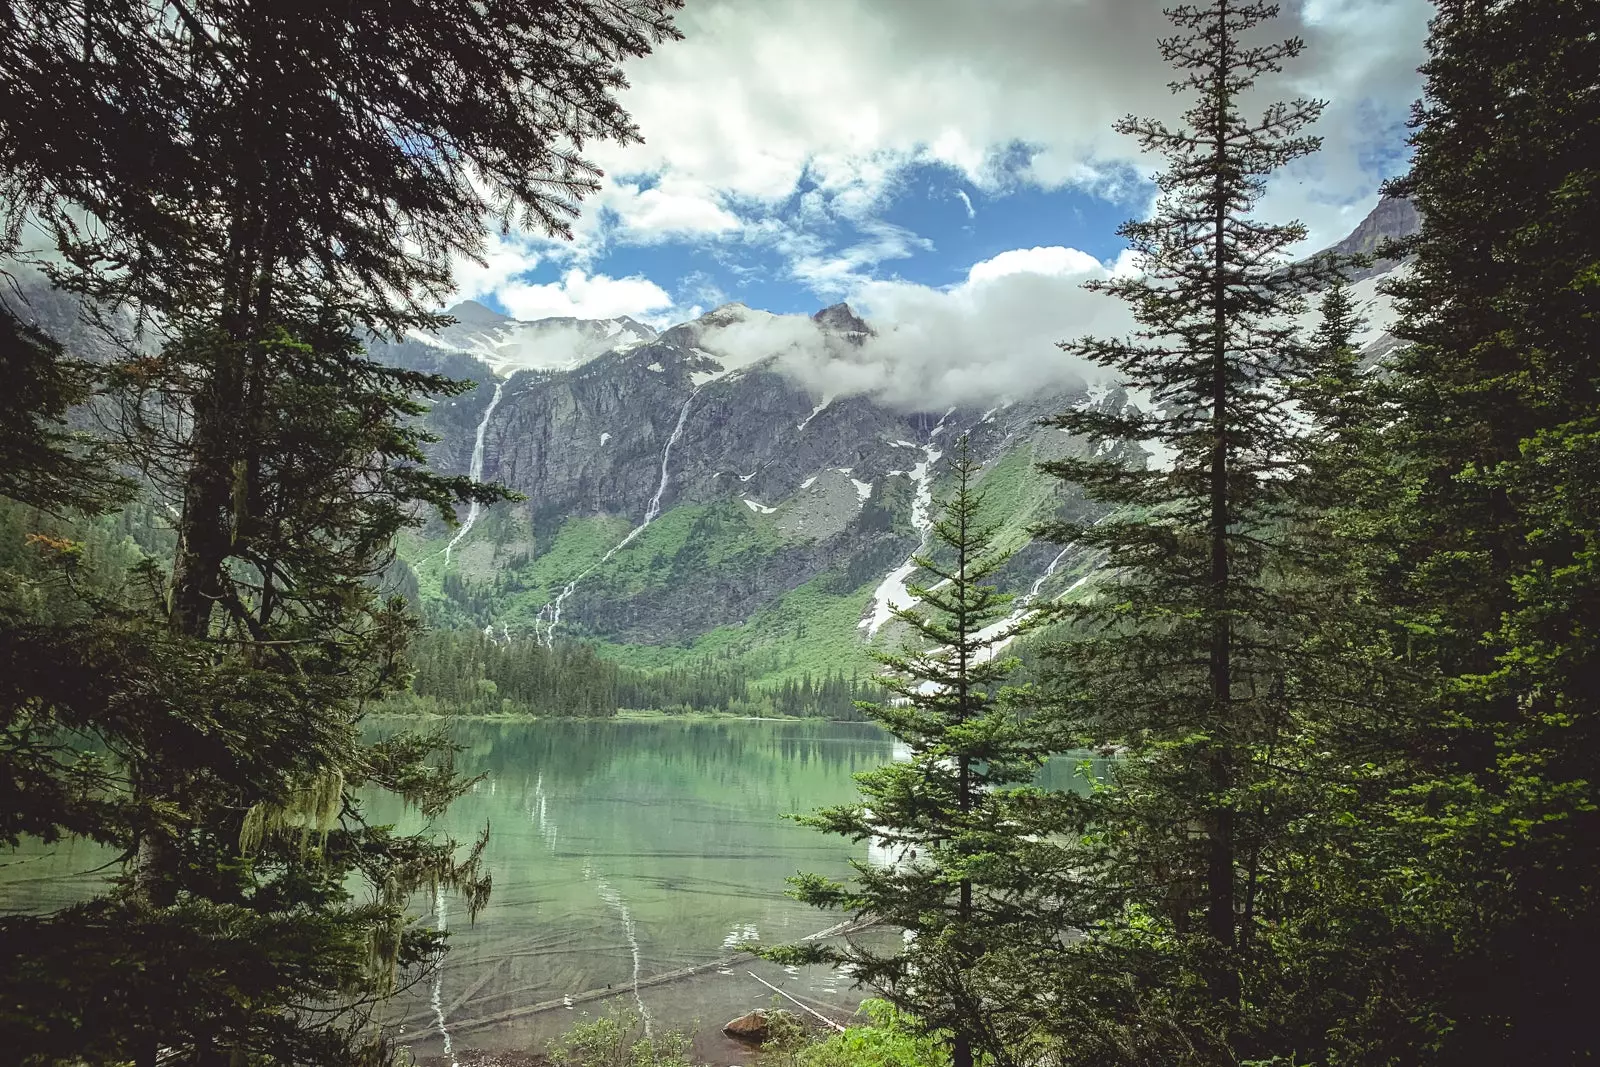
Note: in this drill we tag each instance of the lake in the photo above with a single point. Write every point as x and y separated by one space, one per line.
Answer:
622 851
626 850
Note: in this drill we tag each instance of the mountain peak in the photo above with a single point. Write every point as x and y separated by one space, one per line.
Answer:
723 315
1392 219
472 313
841 318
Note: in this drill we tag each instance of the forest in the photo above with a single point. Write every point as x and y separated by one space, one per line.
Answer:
466 673
1345 646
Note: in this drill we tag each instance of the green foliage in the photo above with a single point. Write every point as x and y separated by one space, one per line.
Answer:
1193 656
619 1040
1017 496
472 674
457 673
892 1040
961 830
1489 539
810 630
210 129
268 182
48 465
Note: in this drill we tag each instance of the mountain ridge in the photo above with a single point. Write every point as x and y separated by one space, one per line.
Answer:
682 504
685 504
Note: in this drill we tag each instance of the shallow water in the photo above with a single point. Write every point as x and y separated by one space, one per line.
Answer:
621 852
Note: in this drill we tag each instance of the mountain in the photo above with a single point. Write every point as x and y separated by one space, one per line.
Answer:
1394 218
678 504
681 505
507 345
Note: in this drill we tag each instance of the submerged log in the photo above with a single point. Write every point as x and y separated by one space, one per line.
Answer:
847 927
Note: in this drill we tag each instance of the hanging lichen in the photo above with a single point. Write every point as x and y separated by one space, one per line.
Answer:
311 810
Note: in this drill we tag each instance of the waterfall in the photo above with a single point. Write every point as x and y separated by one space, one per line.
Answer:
661 487
1024 604
892 593
550 614
475 470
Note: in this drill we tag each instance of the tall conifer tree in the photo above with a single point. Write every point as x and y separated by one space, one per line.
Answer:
1497 586
951 823
264 183
1181 655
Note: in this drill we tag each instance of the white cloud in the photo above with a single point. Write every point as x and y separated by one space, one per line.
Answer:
775 121
506 257
673 209
1053 260
1127 264
992 337
836 274
585 296
846 93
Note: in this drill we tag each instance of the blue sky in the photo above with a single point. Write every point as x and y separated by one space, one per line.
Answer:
896 153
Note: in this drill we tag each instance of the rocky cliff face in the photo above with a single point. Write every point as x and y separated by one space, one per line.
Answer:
669 497
676 503
680 504
1392 219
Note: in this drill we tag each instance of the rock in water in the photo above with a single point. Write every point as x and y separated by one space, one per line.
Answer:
751 1027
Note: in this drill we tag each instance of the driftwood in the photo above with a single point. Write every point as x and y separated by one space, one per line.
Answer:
841 929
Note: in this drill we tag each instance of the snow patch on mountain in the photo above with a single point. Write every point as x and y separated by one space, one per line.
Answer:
815 412
509 345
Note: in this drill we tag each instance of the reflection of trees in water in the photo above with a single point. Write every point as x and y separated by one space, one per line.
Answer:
674 755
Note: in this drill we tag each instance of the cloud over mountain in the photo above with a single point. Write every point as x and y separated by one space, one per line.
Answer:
988 339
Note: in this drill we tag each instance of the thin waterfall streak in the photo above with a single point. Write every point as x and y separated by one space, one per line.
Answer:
666 454
550 615
475 469
1049 572
438 979
1024 605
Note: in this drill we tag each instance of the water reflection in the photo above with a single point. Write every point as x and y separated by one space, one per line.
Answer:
620 851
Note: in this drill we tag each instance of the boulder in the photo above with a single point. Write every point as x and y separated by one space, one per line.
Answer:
752 1027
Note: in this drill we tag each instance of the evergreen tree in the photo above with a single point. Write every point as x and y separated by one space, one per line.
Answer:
1495 587
1187 653
265 181
952 819
1336 398
219 761
46 465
